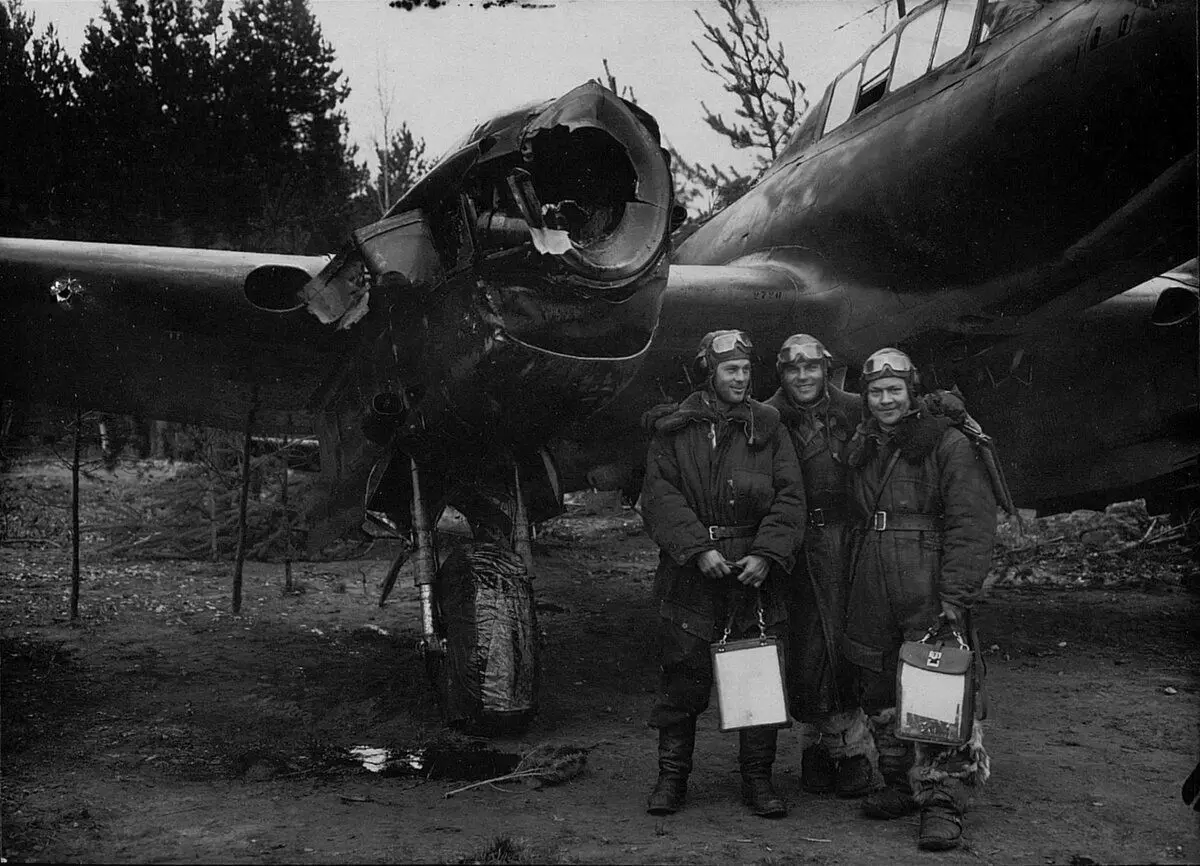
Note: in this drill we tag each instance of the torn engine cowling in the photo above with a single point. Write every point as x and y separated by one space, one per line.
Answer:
515 289
561 211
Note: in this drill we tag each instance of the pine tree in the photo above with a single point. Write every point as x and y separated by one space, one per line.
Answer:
400 166
399 156
756 73
38 84
295 177
203 134
149 95
769 104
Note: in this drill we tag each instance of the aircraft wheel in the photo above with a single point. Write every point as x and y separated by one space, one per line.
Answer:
487 678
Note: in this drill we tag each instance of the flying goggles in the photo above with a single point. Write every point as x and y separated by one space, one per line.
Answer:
802 348
718 346
888 362
727 341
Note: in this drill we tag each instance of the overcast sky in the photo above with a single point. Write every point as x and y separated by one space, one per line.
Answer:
451 67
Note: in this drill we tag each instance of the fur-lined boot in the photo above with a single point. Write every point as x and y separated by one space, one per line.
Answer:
893 795
943 781
846 738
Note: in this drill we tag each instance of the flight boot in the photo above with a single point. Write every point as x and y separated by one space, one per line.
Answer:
895 799
942 782
756 755
941 821
855 777
818 770
675 745
889 803
847 739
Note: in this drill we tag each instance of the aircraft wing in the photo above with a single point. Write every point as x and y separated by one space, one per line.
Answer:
1095 406
1097 403
163 332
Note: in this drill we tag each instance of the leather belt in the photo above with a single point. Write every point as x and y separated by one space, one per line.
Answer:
904 521
818 517
745 531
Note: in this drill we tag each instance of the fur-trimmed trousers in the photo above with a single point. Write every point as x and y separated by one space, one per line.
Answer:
937 775
842 734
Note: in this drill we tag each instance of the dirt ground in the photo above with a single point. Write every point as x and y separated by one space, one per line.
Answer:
164 729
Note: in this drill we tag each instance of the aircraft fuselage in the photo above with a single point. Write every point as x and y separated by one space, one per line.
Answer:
974 178
1031 177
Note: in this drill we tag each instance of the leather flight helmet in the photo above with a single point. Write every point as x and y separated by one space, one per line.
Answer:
891 362
718 346
799 348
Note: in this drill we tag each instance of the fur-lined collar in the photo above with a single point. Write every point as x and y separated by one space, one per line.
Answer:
914 437
828 409
760 419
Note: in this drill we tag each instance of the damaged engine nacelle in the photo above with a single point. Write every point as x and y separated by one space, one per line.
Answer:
561 211
513 290
589 185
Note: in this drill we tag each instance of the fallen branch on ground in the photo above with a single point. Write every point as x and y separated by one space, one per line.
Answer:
1032 549
1132 544
550 764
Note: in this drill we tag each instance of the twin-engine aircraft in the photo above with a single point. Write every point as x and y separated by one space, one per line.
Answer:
984 188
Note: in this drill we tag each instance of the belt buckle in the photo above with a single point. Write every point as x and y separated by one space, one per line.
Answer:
879 521
816 517
712 533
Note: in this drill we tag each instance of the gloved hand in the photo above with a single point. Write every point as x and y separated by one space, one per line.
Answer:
952 614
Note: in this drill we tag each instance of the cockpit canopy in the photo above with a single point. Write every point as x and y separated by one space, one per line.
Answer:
925 40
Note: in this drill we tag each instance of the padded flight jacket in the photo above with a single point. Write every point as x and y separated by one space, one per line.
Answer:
820 434
705 468
903 575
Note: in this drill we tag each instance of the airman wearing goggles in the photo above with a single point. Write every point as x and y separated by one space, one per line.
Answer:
891 385
803 368
720 343
888 362
924 518
821 418
725 356
724 501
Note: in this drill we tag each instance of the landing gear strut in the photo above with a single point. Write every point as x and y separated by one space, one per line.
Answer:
479 634
522 533
424 567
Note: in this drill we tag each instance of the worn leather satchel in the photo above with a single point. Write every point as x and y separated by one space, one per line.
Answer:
935 689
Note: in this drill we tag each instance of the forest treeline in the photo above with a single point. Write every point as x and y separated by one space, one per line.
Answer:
221 124
196 123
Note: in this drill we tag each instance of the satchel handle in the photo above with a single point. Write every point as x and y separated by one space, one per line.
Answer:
937 627
762 624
